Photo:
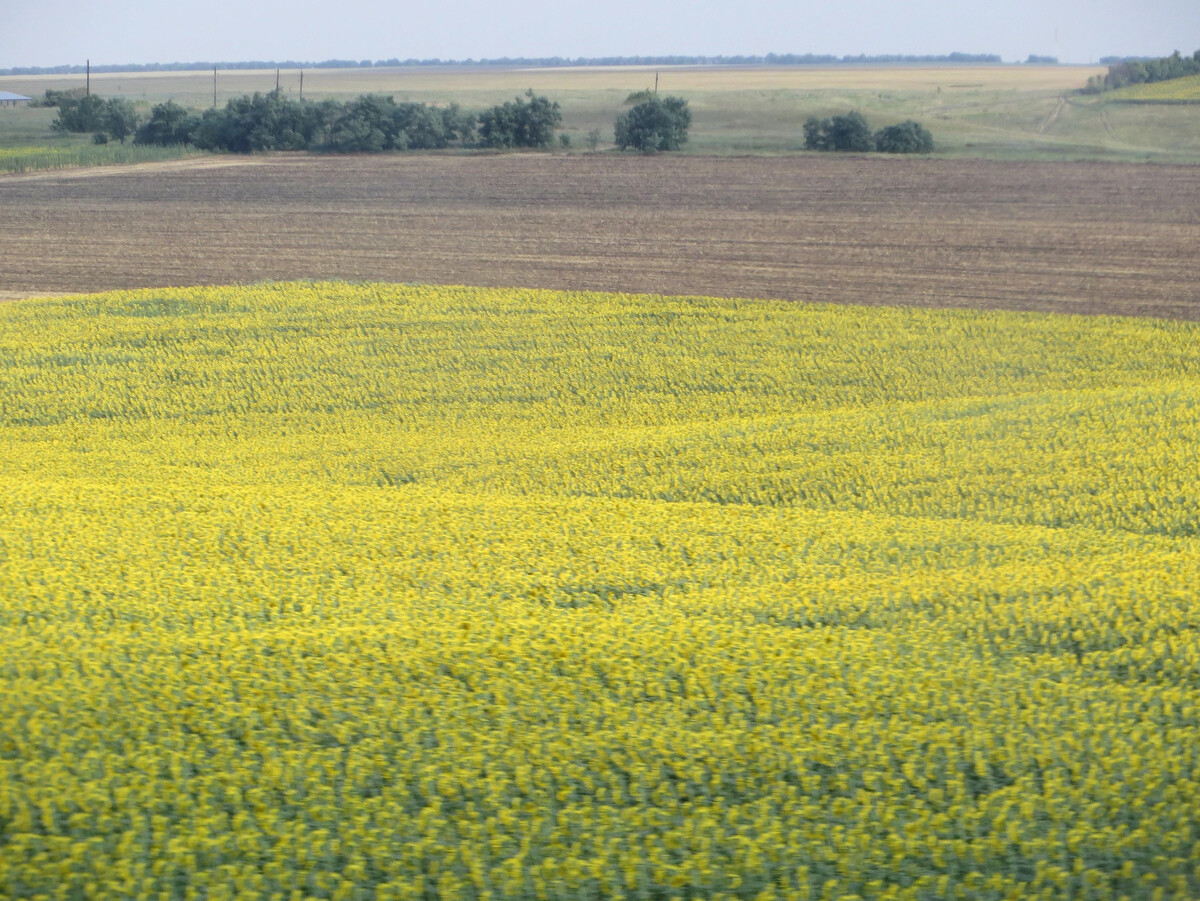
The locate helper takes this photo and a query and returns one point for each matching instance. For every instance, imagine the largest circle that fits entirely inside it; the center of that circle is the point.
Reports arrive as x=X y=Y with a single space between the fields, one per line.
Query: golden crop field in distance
x=497 y=83
x=359 y=591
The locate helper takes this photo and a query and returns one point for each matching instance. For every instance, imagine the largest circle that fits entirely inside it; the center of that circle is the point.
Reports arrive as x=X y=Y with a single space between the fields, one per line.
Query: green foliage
x=1130 y=72
x=907 y=137
x=520 y=123
x=120 y=118
x=55 y=98
x=848 y=133
x=656 y=124
x=80 y=115
x=169 y=125
x=593 y=139
x=115 y=117
x=370 y=124
x=639 y=97
x=851 y=133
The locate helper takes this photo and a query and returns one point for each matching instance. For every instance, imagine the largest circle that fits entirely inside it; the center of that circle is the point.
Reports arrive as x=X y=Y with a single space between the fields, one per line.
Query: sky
x=57 y=32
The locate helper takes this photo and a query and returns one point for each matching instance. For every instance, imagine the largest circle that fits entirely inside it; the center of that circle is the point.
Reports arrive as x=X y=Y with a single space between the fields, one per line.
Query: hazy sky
x=53 y=32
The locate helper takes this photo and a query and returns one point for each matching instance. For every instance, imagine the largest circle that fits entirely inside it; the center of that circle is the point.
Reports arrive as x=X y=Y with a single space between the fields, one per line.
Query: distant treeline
x=771 y=59
x=1143 y=71
x=369 y=124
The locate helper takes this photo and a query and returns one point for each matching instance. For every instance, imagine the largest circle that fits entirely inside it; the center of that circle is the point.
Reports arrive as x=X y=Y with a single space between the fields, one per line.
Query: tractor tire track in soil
x=1066 y=237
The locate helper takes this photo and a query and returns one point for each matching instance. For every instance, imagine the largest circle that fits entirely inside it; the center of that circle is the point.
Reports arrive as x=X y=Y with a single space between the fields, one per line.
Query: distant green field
x=1010 y=112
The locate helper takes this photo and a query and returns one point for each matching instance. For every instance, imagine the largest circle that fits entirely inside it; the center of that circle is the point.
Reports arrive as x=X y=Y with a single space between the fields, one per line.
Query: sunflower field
x=320 y=590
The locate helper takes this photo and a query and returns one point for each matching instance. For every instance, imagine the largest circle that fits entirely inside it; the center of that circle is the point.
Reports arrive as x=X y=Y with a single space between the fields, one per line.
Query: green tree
x=368 y=124
x=169 y=124
x=851 y=133
x=80 y=114
x=119 y=119
x=848 y=133
x=520 y=123
x=656 y=124
x=907 y=137
x=816 y=134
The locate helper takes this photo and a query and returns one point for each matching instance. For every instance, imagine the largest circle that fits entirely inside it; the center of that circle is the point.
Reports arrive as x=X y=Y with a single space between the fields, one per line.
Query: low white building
x=8 y=98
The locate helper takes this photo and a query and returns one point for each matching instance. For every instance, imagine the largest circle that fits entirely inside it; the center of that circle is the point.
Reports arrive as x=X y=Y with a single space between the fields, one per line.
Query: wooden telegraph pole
x=276 y=81
x=301 y=84
x=88 y=89
x=214 y=87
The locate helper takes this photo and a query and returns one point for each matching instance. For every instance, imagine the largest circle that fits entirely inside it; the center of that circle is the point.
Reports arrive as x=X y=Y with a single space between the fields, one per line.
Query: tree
x=851 y=133
x=80 y=114
x=119 y=119
x=260 y=122
x=907 y=137
x=368 y=125
x=55 y=98
x=520 y=123
x=816 y=134
x=656 y=124
x=844 y=133
x=169 y=124
x=115 y=117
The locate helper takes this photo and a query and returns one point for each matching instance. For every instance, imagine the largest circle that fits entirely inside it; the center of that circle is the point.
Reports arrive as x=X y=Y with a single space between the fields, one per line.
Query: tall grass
x=29 y=159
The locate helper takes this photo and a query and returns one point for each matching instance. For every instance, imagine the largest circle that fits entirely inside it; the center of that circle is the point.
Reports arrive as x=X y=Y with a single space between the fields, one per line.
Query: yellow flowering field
x=1186 y=89
x=392 y=592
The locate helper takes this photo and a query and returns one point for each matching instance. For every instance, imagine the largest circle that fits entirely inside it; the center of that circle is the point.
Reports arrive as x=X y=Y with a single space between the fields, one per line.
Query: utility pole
x=301 y=84
x=214 y=87
x=88 y=89
x=655 y=84
x=276 y=81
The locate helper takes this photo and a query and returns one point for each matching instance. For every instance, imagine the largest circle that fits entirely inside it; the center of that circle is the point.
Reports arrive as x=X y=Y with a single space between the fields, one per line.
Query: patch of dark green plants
x=850 y=133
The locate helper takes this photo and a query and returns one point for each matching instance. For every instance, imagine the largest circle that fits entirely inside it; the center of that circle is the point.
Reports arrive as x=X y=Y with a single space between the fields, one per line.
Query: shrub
x=520 y=123
x=119 y=118
x=169 y=125
x=80 y=114
x=656 y=124
x=907 y=137
x=849 y=133
x=54 y=98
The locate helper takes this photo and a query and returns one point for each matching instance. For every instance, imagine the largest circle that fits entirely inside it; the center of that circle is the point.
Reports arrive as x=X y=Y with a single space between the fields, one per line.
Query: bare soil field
x=1067 y=237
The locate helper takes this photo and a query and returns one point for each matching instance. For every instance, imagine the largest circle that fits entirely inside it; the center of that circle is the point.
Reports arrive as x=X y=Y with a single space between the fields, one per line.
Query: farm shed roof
x=9 y=95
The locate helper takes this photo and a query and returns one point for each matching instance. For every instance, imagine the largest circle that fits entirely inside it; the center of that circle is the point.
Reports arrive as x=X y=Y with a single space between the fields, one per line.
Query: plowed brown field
x=1072 y=237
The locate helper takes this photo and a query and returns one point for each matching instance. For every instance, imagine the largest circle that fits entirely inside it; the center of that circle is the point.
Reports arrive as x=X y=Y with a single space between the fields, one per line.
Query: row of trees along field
x=852 y=133
x=373 y=123
x=369 y=124
x=1127 y=72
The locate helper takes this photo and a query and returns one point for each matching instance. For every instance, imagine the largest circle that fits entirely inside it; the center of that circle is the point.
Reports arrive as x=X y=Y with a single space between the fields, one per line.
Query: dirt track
x=1056 y=236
